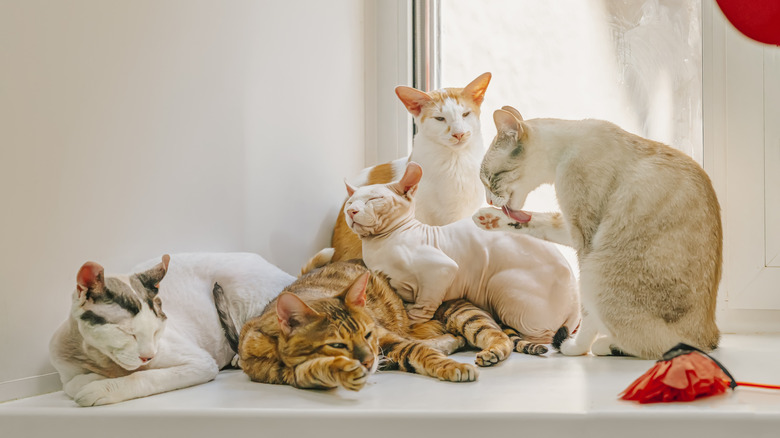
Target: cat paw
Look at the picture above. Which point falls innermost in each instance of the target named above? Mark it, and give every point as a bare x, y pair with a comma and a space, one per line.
602, 346
570, 347
458, 372
78, 382
494, 354
488, 218
101, 392
350, 373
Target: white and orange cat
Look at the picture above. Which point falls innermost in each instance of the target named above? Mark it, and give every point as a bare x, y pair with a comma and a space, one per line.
523, 282
448, 144
642, 216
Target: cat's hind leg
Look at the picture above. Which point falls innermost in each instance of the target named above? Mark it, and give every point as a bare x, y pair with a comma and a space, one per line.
434, 334
480, 330
606, 346
581, 343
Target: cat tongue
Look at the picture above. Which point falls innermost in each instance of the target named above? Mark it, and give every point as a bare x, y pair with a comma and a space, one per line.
518, 215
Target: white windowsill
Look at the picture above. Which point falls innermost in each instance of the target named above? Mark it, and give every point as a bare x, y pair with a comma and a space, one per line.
554, 396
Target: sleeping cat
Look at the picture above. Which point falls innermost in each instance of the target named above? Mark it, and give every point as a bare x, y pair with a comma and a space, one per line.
642, 216
329, 328
448, 144
523, 282
119, 344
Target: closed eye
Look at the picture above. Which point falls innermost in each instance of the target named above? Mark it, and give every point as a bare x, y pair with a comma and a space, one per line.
368, 335
441, 119
338, 345
374, 199
466, 114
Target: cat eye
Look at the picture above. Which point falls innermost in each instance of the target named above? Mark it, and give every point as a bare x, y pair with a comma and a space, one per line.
338, 345
441, 119
368, 335
466, 114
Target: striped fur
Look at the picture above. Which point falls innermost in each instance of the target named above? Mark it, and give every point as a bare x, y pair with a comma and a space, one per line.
305, 357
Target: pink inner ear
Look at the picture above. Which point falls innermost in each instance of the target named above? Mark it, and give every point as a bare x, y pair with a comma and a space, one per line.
89, 275
357, 292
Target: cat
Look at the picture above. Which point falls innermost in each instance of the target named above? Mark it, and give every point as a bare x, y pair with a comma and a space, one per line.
448, 144
643, 217
523, 282
119, 344
329, 328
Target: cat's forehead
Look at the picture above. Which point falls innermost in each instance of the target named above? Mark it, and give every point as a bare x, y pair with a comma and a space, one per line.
449, 99
371, 191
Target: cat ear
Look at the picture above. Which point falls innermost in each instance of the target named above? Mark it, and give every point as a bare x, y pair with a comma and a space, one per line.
476, 89
356, 294
408, 184
154, 276
90, 278
350, 189
292, 312
414, 100
514, 112
507, 122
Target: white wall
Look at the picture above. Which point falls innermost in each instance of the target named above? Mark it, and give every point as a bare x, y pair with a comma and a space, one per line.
130, 129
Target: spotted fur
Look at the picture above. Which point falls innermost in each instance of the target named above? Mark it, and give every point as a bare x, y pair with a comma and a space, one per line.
338, 339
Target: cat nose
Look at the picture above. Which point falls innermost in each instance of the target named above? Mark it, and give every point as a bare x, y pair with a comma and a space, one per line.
459, 136
145, 359
368, 362
352, 212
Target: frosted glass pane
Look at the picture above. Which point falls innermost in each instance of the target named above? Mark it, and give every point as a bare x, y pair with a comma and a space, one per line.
634, 63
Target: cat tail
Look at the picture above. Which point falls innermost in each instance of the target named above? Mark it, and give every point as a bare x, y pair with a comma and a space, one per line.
224, 317
319, 260
561, 335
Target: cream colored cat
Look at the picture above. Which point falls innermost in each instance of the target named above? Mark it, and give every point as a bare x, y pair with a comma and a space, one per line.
448, 144
524, 283
642, 216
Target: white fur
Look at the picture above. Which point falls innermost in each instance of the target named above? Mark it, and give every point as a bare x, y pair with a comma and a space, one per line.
643, 218
450, 189
188, 349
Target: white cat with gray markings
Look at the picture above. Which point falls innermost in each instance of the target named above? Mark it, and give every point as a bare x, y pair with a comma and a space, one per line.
118, 343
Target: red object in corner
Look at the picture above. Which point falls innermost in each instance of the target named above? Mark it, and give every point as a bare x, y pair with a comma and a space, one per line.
684, 374
756, 19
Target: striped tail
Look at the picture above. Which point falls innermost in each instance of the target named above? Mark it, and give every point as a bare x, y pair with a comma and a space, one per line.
224, 317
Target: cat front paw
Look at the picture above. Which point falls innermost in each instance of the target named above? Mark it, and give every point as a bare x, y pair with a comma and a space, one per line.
101, 392
350, 373
569, 347
454, 371
488, 218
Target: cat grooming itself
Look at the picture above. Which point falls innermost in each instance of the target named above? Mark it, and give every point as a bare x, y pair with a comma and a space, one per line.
524, 283
642, 216
157, 329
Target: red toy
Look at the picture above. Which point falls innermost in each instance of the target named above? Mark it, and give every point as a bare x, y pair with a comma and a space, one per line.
685, 373
756, 19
